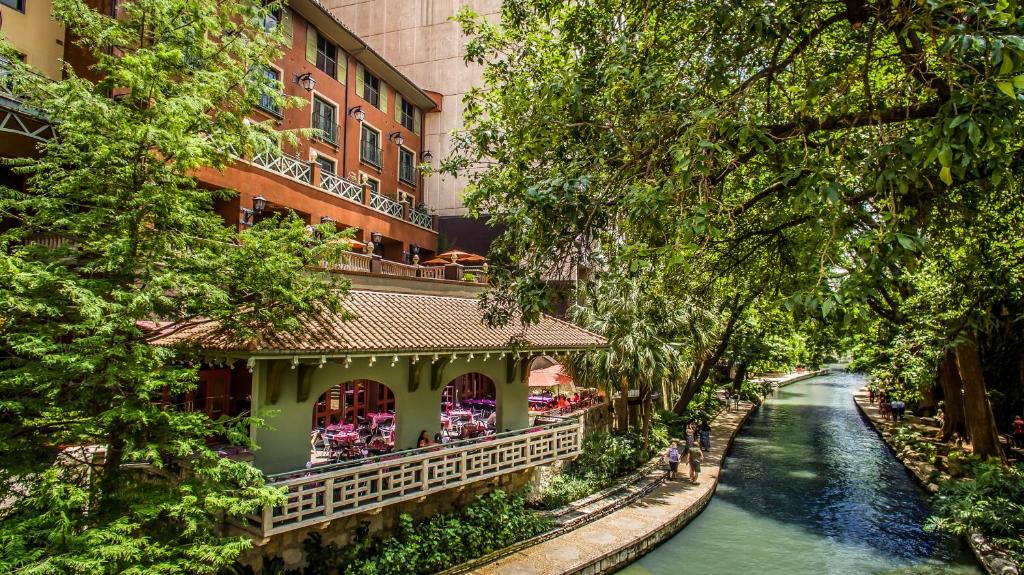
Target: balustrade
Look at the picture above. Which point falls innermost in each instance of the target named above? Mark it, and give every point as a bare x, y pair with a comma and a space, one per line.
341, 187
284, 165
350, 488
387, 205
421, 219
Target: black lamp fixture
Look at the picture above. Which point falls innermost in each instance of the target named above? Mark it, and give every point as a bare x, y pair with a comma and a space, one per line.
259, 203
426, 156
397, 138
376, 237
306, 81
326, 220
357, 113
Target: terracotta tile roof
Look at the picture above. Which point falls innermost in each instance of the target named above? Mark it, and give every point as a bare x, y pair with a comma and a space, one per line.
393, 322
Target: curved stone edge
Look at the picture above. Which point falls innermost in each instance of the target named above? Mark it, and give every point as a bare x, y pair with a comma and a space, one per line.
994, 562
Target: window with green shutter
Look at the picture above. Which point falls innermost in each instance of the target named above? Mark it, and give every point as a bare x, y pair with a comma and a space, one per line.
408, 116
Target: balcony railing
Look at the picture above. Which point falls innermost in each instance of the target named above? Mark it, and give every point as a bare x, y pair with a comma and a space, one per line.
285, 165
369, 153
346, 489
297, 169
387, 205
341, 187
421, 219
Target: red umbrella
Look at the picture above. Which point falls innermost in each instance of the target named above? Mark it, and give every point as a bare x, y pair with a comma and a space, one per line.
461, 257
549, 377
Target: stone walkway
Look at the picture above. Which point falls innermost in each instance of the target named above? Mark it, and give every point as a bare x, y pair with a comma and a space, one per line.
576, 550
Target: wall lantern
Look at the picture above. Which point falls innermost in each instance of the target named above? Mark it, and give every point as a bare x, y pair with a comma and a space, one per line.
306, 81
259, 203
397, 138
326, 220
426, 156
357, 113
376, 237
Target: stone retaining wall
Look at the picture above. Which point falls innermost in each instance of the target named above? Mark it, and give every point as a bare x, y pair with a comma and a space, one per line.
991, 559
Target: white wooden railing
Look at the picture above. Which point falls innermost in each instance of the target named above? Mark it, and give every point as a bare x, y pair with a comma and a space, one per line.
421, 219
387, 205
434, 273
350, 488
341, 187
285, 165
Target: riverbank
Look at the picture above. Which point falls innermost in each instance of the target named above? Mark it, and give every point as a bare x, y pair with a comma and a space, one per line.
929, 478
622, 536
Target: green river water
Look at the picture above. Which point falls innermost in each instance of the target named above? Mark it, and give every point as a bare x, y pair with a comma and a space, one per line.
809, 488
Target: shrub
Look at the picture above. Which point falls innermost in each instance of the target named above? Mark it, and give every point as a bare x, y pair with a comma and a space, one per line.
991, 502
491, 522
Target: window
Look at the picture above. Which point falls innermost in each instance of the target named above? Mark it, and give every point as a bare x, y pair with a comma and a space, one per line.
271, 19
408, 115
374, 186
371, 88
325, 119
326, 164
273, 78
369, 146
326, 56
406, 167
18, 5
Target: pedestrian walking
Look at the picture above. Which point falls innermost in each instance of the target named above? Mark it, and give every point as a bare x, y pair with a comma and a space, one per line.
672, 457
1018, 431
696, 457
705, 436
897, 410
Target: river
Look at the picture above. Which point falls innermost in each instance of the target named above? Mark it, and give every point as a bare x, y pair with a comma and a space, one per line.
809, 488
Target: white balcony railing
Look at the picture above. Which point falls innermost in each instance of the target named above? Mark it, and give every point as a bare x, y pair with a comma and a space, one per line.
354, 262
350, 488
397, 269
341, 187
284, 165
387, 205
421, 219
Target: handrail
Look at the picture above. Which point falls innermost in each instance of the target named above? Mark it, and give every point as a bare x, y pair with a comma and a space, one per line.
349, 488
387, 205
341, 187
421, 219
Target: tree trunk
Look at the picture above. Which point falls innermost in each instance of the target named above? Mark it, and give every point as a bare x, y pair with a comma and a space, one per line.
702, 370
739, 376
926, 407
648, 416
952, 390
622, 405
978, 411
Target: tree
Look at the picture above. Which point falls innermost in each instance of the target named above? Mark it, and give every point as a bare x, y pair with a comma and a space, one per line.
741, 141
80, 385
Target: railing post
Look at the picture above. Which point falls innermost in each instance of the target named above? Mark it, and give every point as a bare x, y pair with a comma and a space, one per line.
267, 520
366, 194
328, 498
406, 211
314, 174
453, 272
376, 266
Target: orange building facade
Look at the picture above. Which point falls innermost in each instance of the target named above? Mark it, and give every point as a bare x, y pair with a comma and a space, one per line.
362, 169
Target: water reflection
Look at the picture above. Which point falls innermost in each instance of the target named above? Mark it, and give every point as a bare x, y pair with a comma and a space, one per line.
810, 489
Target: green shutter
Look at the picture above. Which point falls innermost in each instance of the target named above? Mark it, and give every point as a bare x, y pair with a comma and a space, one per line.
416, 121
341, 70
359, 80
383, 97
398, 107
311, 44
287, 27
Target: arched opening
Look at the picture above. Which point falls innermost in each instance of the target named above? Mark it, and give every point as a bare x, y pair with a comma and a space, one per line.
353, 420
469, 406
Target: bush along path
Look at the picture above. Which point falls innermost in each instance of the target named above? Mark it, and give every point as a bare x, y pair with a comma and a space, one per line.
983, 502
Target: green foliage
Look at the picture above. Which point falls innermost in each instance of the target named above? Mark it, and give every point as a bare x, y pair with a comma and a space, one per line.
991, 502
704, 406
489, 523
139, 242
604, 458
468, 277
755, 391
908, 436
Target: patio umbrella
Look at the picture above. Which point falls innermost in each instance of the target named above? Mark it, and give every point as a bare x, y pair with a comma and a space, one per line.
461, 257
549, 377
